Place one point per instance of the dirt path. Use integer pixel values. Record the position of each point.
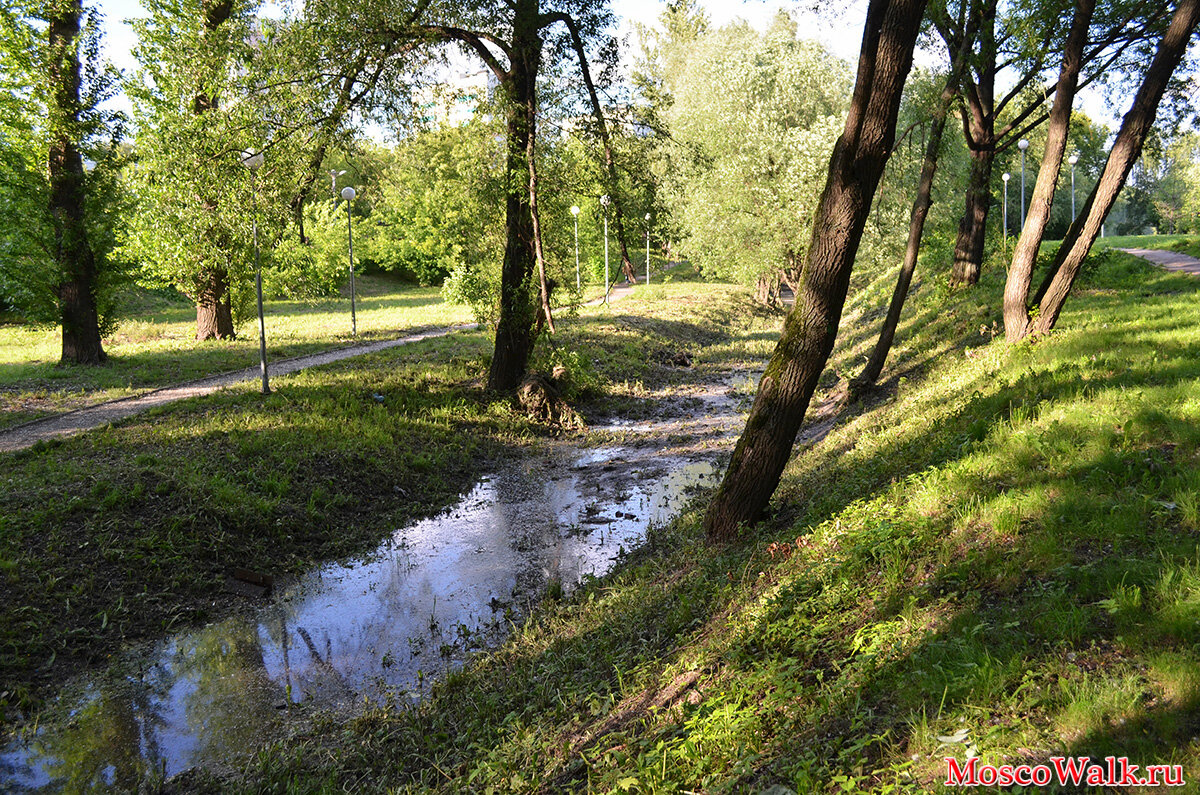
(1169, 260)
(73, 422)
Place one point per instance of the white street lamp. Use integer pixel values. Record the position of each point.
(348, 194)
(647, 248)
(254, 161)
(575, 212)
(604, 200)
(1022, 145)
(1073, 159)
(1006, 177)
(333, 175)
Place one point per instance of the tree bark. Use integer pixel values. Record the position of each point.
(1125, 152)
(73, 253)
(1020, 273)
(809, 332)
(518, 311)
(214, 313)
(972, 228)
(916, 228)
(214, 308)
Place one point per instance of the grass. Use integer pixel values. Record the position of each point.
(156, 346)
(999, 557)
(126, 533)
(1187, 244)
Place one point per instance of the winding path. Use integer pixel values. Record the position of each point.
(1169, 260)
(73, 422)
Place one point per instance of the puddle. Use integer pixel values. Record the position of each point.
(378, 629)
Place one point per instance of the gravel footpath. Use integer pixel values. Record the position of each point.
(73, 422)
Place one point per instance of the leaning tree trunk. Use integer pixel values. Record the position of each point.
(916, 228)
(809, 332)
(73, 254)
(610, 164)
(1020, 273)
(515, 333)
(1125, 152)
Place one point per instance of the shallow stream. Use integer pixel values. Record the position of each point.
(380, 628)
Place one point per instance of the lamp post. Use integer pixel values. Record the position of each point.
(604, 203)
(1006, 177)
(254, 163)
(333, 175)
(647, 248)
(1073, 159)
(1023, 145)
(575, 213)
(348, 194)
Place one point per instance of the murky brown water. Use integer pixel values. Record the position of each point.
(381, 628)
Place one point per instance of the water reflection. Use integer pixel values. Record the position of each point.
(378, 629)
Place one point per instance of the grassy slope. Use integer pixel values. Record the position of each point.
(124, 533)
(1004, 552)
(156, 345)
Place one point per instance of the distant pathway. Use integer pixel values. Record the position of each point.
(73, 422)
(1170, 260)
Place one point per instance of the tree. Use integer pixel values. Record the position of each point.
(1135, 126)
(1018, 38)
(511, 38)
(1020, 273)
(52, 58)
(810, 330)
(752, 119)
(920, 211)
(194, 122)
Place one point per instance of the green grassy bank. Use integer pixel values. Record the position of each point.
(998, 557)
(155, 345)
(125, 533)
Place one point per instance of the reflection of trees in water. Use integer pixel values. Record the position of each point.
(231, 699)
(111, 742)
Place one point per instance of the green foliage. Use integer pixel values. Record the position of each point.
(754, 117)
(29, 277)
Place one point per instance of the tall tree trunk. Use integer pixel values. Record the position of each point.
(1020, 273)
(809, 332)
(1125, 152)
(916, 227)
(518, 310)
(73, 254)
(972, 228)
(979, 130)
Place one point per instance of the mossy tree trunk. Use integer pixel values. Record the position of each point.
(809, 332)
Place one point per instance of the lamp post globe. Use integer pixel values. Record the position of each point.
(348, 193)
